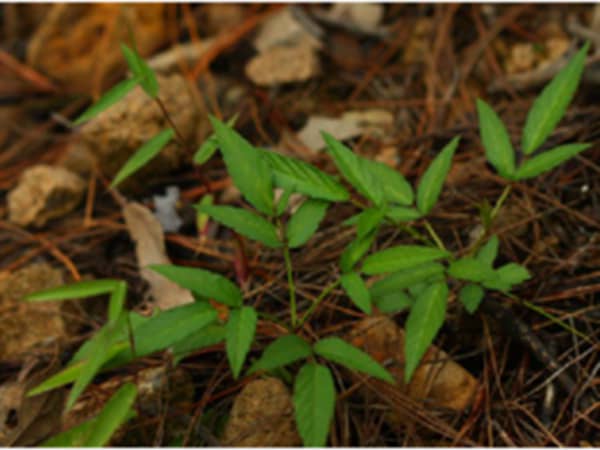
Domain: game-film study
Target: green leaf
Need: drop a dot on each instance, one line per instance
(247, 167)
(143, 155)
(112, 416)
(548, 160)
(424, 321)
(355, 169)
(205, 337)
(304, 178)
(116, 301)
(496, 141)
(401, 257)
(171, 326)
(284, 200)
(314, 403)
(487, 254)
(368, 221)
(202, 282)
(141, 70)
(403, 279)
(77, 290)
(284, 350)
(339, 351)
(210, 145)
(402, 214)
(245, 223)
(240, 334)
(111, 97)
(470, 296)
(357, 290)
(73, 437)
(550, 106)
(393, 302)
(72, 372)
(433, 179)
(395, 187)
(305, 222)
(470, 269)
(355, 251)
(98, 356)
(506, 276)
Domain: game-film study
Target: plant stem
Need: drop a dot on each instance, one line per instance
(318, 300)
(290, 277)
(434, 236)
(501, 201)
(180, 138)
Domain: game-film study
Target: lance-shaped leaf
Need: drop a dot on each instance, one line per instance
(355, 251)
(496, 141)
(284, 350)
(395, 187)
(111, 97)
(239, 336)
(401, 257)
(403, 279)
(114, 413)
(393, 302)
(116, 301)
(548, 160)
(470, 269)
(314, 403)
(354, 169)
(487, 254)
(368, 221)
(433, 179)
(424, 321)
(141, 70)
(550, 106)
(305, 222)
(506, 277)
(73, 291)
(290, 173)
(402, 214)
(339, 351)
(470, 296)
(247, 167)
(357, 290)
(245, 223)
(210, 145)
(202, 282)
(143, 155)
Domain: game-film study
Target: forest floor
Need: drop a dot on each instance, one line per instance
(395, 83)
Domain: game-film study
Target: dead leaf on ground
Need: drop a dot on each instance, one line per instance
(262, 416)
(147, 233)
(438, 380)
(364, 16)
(27, 421)
(78, 44)
(44, 193)
(351, 124)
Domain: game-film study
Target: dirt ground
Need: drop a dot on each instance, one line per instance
(395, 82)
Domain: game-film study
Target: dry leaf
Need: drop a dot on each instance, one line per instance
(147, 233)
(438, 380)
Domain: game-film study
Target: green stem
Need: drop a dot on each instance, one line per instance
(318, 300)
(434, 236)
(501, 201)
(290, 277)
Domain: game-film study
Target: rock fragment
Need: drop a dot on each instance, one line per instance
(262, 416)
(283, 64)
(27, 326)
(118, 132)
(44, 192)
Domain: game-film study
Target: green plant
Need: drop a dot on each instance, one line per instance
(417, 277)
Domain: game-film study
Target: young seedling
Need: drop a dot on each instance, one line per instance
(416, 277)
